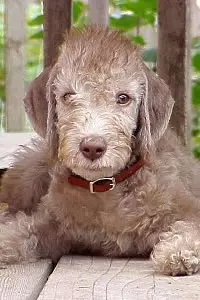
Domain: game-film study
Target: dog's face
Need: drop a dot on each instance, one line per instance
(97, 118)
(98, 107)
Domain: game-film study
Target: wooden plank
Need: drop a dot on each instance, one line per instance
(9, 143)
(57, 19)
(14, 64)
(98, 12)
(174, 44)
(24, 281)
(96, 278)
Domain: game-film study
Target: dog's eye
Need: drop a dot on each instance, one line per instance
(123, 99)
(67, 95)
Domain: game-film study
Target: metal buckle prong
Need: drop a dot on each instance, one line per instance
(112, 183)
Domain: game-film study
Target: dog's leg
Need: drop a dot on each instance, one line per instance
(18, 238)
(178, 251)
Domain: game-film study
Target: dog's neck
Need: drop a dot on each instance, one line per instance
(106, 183)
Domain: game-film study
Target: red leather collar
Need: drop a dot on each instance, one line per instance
(107, 183)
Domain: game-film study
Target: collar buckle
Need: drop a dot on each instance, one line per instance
(112, 183)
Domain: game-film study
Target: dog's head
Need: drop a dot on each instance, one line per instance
(105, 106)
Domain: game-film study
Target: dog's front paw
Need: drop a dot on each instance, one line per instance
(178, 251)
(184, 262)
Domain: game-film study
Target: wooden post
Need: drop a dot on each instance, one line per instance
(14, 64)
(57, 18)
(174, 60)
(98, 12)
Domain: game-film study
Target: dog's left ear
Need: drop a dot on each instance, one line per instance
(155, 111)
(52, 135)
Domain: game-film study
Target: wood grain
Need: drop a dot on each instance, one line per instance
(89, 278)
(174, 44)
(24, 281)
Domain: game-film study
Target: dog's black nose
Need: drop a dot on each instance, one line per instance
(93, 147)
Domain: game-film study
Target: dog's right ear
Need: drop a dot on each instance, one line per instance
(35, 103)
(52, 135)
(155, 112)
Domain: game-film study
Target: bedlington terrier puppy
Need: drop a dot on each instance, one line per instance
(110, 177)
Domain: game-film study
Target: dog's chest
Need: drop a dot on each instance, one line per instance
(110, 223)
(99, 227)
(107, 211)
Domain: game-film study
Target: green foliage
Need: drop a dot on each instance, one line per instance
(143, 10)
(125, 22)
(196, 92)
(196, 97)
(139, 40)
(36, 21)
(196, 62)
(37, 35)
(79, 13)
(128, 15)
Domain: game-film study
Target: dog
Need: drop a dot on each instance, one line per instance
(110, 177)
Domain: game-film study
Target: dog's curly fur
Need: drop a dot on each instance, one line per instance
(155, 211)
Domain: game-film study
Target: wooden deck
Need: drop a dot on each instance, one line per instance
(87, 278)
(94, 278)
